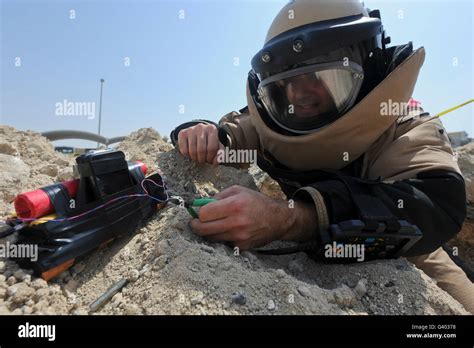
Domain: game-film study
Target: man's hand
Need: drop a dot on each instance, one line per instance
(251, 219)
(200, 143)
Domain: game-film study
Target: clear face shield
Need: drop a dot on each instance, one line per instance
(304, 99)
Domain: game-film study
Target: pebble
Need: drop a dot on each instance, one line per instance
(2, 266)
(304, 291)
(27, 310)
(361, 288)
(251, 257)
(238, 298)
(213, 263)
(80, 311)
(271, 305)
(133, 275)
(40, 293)
(3, 293)
(344, 296)
(197, 299)
(117, 299)
(280, 273)
(162, 261)
(207, 249)
(39, 283)
(20, 293)
(11, 280)
(131, 309)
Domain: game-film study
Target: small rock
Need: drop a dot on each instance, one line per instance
(212, 263)
(3, 293)
(39, 283)
(20, 293)
(49, 169)
(40, 293)
(117, 299)
(251, 257)
(145, 241)
(133, 275)
(238, 298)
(271, 305)
(80, 311)
(207, 249)
(344, 296)
(132, 309)
(361, 288)
(163, 260)
(304, 291)
(389, 284)
(197, 299)
(11, 280)
(2, 266)
(26, 310)
(280, 273)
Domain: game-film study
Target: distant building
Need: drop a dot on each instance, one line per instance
(64, 149)
(459, 138)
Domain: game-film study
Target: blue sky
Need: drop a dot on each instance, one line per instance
(189, 61)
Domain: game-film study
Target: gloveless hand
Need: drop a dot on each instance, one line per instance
(251, 219)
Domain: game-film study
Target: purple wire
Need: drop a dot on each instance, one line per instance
(146, 194)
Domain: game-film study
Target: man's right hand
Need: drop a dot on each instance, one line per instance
(200, 143)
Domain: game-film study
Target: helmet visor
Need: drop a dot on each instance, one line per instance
(305, 99)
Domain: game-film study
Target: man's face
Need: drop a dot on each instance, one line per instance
(309, 96)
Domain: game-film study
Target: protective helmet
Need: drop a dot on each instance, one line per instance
(319, 58)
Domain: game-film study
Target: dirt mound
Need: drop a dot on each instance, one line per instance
(464, 241)
(186, 274)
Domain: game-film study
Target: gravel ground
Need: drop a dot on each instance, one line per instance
(187, 274)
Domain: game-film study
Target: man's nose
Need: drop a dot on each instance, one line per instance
(301, 90)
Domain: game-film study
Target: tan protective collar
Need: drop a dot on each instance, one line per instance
(343, 141)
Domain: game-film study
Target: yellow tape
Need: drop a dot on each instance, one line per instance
(453, 108)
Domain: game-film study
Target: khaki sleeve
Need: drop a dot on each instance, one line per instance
(242, 133)
(419, 145)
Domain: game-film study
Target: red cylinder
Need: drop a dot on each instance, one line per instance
(34, 204)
